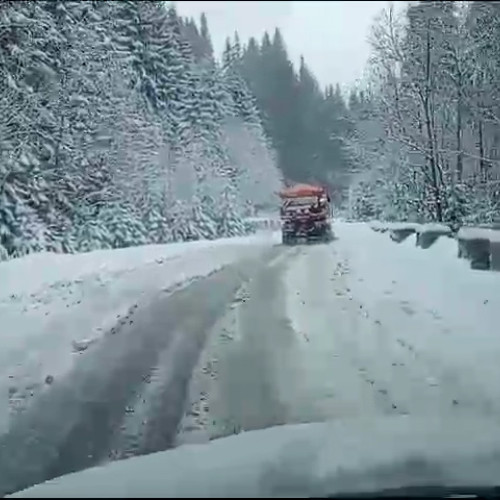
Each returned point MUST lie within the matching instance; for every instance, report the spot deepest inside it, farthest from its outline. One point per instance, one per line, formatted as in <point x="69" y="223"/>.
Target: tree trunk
<point x="460" y="154"/>
<point x="482" y="161"/>
<point x="430" y="132"/>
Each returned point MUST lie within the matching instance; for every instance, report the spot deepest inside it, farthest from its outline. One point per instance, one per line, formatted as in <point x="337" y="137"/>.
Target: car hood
<point x="356" y="455"/>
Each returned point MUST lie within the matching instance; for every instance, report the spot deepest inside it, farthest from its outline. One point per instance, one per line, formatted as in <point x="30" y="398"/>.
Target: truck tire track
<point x="71" y="426"/>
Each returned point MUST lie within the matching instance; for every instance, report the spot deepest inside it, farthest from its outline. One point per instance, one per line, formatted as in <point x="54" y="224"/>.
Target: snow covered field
<point x="53" y="307"/>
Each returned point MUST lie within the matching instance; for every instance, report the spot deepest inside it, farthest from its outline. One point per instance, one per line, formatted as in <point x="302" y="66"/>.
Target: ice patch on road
<point x="54" y="307"/>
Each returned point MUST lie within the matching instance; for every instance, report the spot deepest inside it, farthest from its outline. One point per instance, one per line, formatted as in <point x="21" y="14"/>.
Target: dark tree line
<point x="304" y="121"/>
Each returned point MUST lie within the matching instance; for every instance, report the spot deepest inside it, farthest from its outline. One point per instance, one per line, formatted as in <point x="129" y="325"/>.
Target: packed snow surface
<point x="361" y="326"/>
<point x="439" y="310"/>
<point x="394" y="226"/>
<point x="417" y="328"/>
<point x="418" y="325"/>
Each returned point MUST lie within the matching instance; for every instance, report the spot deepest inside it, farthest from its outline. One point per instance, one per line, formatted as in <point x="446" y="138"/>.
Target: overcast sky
<point x="332" y="35"/>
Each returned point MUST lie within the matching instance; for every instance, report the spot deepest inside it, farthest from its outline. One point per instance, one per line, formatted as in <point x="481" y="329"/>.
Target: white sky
<point x="332" y="35"/>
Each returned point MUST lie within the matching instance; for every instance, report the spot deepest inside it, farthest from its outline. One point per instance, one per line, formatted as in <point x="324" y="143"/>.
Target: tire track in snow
<point x="238" y="384"/>
<point x="167" y="404"/>
<point x="72" y="426"/>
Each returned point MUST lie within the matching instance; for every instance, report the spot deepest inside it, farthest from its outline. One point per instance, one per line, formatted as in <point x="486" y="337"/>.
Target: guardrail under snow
<point x="260" y="223"/>
<point x="480" y="245"/>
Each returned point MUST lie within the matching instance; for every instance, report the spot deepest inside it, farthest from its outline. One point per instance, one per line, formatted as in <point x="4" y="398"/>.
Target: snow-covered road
<point x="361" y="326"/>
<point x="236" y="335"/>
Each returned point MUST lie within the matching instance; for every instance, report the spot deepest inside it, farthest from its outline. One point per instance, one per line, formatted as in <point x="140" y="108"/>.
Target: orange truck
<point x="305" y="214"/>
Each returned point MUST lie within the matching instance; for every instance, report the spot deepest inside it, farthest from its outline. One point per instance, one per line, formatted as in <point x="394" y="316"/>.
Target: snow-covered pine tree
<point x="204" y="213"/>
<point x="178" y="217"/>
<point x="89" y="231"/>
<point x="78" y="168"/>
<point x="108" y="108"/>
<point x="30" y="233"/>
<point x="177" y="82"/>
<point x="258" y="178"/>
<point x="251" y="162"/>
<point x="229" y="218"/>
<point x="155" y="223"/>
<point x="26" y="77"/>
<point x="124" y="226"/>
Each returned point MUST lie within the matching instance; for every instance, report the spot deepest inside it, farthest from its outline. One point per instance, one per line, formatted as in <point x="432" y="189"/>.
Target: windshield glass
<point x="154" y="288"/>
<point x="300" y="202"/>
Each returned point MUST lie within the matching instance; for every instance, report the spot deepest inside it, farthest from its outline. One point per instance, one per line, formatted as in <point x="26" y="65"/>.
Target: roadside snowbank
<point x="472" y="233"/>
<point x="382" y="227"/>
<point x="53" y="307"/>
<point x="434" y="228"/>
<point x="379" y="226"/>
<point x="28" y="274"/>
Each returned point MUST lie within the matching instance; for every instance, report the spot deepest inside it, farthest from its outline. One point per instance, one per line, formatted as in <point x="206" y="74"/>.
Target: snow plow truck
<point x="306" y="214"/>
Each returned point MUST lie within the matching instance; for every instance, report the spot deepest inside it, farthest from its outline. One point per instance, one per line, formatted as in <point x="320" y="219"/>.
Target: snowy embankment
<point x="53" y="307"/>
